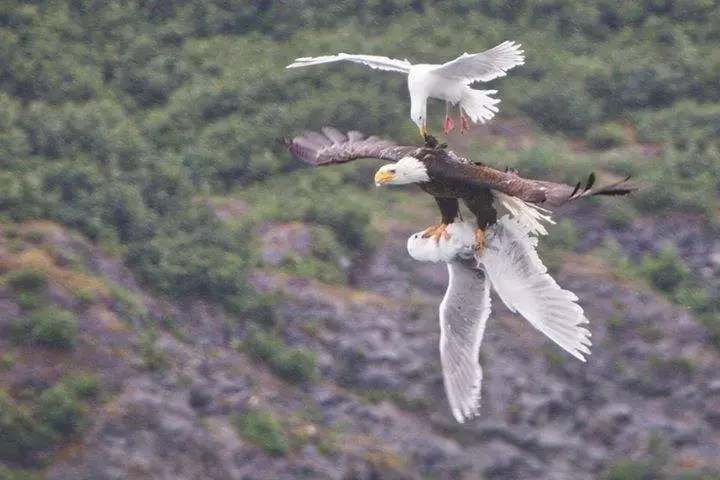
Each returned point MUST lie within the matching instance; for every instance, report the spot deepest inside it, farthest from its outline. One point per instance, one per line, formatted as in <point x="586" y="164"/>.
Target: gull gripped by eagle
<point x="512" y="267"/>
<point x="448" y="81"/>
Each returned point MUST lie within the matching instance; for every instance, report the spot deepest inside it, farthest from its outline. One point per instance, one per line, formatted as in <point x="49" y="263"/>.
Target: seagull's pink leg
<point x="464" y="122"/>
<point x="448" y="124"/>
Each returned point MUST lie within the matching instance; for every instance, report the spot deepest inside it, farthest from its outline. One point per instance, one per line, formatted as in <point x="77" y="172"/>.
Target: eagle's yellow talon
<point x="479" y="242"/>
<point x="436" y="232"/>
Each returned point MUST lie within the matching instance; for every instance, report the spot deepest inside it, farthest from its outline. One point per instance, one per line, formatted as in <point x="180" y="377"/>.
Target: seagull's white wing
<point x="372" y="61"/>
<point x="523" y="284"/>
<point x="484" y="66"/>
<point x="463" y="313"/>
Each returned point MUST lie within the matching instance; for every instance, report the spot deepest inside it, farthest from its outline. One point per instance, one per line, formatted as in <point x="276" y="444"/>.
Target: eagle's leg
<point x="436" y="232"/>
<point x="464" y="122"/>
<point x="479" y="242"/>
<point x="448" y="125"/>
<point x="449" y="209"/>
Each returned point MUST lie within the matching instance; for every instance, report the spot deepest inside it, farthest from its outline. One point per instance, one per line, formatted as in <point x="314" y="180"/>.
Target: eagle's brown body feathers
<point x="451" y="177"/>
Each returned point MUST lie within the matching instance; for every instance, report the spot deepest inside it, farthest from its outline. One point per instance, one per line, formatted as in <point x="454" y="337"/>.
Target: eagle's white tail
<point x="479" y="105"/>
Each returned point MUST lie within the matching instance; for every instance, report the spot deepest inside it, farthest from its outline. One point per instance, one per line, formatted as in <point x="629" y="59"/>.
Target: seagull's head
<point x="418" y="114"/>
<point x="406" y="170"/>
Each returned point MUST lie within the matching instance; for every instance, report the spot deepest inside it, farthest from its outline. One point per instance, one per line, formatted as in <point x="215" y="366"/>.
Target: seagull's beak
<point x="383" y="177"/>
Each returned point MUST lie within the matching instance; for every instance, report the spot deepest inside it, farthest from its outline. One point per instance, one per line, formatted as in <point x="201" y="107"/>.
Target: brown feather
<point x="451" y="176"/>
<point x="333" y="147"/>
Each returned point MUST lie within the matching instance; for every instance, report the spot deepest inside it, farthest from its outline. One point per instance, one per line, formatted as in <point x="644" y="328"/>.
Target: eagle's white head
<point x="406" y="170"/>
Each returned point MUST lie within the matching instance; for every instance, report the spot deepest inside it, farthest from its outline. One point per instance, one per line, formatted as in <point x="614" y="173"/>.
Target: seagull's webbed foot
<point x="436" y="232"/>
<point x="464" y="123"/>
<point x="479" y="242"/>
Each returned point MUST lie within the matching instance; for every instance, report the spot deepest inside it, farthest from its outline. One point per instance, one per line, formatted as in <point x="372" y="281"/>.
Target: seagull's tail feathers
<point x="479" y="105"/>
<point x="523" y="284"/>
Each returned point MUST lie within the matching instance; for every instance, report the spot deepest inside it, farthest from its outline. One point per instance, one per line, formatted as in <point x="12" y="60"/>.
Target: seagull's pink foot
<point x="449" y="125"/>
<point x="464" y="123"/>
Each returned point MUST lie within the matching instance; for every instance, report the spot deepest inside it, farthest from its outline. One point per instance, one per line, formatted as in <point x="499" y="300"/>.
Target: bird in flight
<point x="488" y="193"/>
<point x="511" y="266"/>
<point x="449" y="81"/>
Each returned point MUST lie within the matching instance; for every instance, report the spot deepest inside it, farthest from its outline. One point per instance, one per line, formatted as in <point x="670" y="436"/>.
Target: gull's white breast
<point x="423" y="81"/>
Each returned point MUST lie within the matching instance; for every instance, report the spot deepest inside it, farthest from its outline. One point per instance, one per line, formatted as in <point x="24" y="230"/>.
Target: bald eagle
<point x="449" y="178"/>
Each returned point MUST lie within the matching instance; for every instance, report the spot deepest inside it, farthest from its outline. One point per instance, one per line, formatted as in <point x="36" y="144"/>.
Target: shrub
<point x="27" y="279"/>
<point x="665" y="271"/>
<point x="263" y="429"/>
<point x="563" y="236"/>
<point x="50" y="327"/>
<point x="295" y="364"/>
<point x="84" y="386"/>
<point x="620" y="217"/>
<point x="633" y="470"/>
<point x="606" y="135"/>
<point x="31" y="300"/>
<point x="21" y="437"/>
<point x="60" y="410"/>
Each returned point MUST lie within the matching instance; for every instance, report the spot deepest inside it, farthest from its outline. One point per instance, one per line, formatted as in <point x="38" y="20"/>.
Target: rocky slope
<point x="179" y="405"/>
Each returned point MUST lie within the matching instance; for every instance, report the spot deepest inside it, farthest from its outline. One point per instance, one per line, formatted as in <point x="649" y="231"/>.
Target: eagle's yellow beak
<point x="423" y="131"/>
<point x="383" y="177"/>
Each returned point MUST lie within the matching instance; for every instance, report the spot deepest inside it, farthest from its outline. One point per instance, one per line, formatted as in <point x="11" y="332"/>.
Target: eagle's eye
<point x="391" y="170"/>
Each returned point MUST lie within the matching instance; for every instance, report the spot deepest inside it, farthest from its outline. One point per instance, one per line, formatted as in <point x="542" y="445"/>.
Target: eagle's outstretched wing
<point x="547" y="194"/>
<point x="372" y="61"/>
<point x="332" y="146"/>
<point x="483" y="66"/>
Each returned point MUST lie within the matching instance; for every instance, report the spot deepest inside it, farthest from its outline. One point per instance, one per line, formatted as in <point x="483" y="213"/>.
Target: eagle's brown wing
<point x="548" y="194"/>
<point x="331" y="146"/>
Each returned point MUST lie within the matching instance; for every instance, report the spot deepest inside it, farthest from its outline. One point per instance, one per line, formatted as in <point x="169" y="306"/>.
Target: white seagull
<point x="448" y="81"/>
<point x="511" y="266"/>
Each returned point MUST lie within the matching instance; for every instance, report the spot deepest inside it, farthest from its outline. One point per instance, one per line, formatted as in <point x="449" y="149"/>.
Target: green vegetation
<point x="50" y="327"/>
<point x="263" y="429"/>
<point x="664" y="271"/>
<point x="295" y="364"/>
<point x="27" y="280"/>
<point x="133" y="122"/>
<point x="33" y="427"/>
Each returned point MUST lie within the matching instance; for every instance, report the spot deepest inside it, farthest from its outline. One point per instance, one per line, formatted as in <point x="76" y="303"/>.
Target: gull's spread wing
<point x="484" y="66"/>
<point x="463" y="314"/>
<point x="332" y="146"/>
<point x="372" y="61"/>
<point x="523" y="284"/>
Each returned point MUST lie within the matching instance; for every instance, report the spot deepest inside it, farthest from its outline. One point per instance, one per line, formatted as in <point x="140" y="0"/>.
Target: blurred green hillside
<point x="117" y="116"/>
<point x="133" y="122"/>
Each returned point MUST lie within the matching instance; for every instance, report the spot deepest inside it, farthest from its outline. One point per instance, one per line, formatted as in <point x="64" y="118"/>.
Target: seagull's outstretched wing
<point x="333" y="146"/>
<point x="463" y="314"/>
<point x="523" y="284"/>
<point x="372" y="61"/>
<point x="484" y="66"/>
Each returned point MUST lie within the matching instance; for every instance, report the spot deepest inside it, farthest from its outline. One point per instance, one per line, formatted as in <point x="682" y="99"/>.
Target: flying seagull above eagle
<point x="449" y="81"/>
<point x="488" y="193"/>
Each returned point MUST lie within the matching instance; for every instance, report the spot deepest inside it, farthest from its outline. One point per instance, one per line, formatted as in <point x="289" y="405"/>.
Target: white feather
<point x="529" y="215"/>
<point x="448" y="81"/>
<point x="511" y="265"/>
<point x="521" y="281"/>
<point x="464" y="311"/>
